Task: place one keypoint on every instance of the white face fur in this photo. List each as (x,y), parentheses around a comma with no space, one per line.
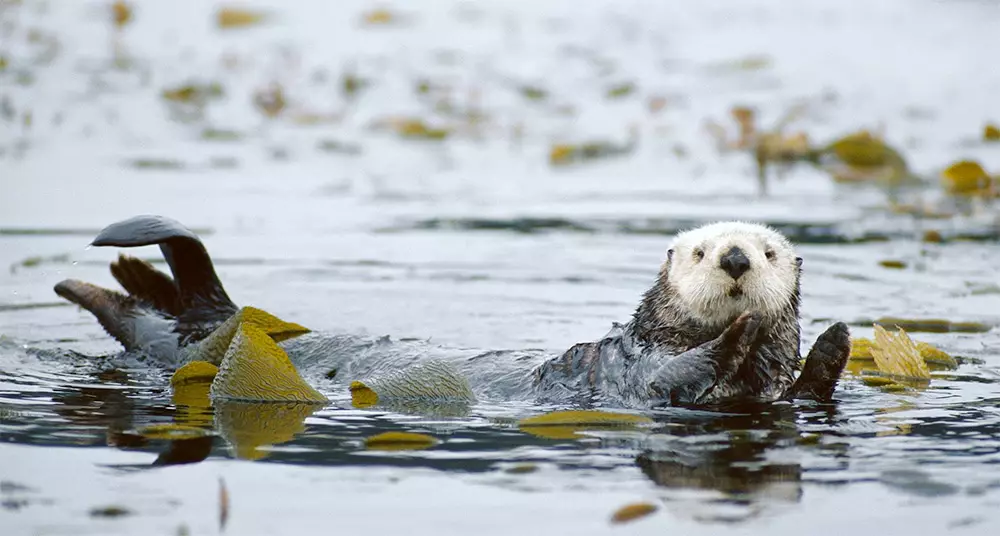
(711,293)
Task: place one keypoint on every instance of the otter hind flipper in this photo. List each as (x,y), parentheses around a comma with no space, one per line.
(141,280)
(201,299)
(824,365)
(111,308)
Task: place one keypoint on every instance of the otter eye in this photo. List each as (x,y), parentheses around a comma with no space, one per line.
(699,254)
(769,254)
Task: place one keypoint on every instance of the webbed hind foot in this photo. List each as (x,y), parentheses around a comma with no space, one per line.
(690,376)
(824,365)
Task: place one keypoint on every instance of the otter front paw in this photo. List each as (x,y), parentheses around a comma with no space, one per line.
(687,378)
(824,365)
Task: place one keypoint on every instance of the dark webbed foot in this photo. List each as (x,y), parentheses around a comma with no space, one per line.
(688,377)
(824,364)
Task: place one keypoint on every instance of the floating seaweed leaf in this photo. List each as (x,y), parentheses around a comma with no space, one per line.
(233,17)
(219,134)
(898,355)
(991,133)
(193,92)
(255,368)
(631,512)
(379,17)
(194,372)
(567,424)
(121,13)
(934,325)
(969,178)
(619,91)
(110,511)
(400,441)
(533,93)
(270,100)
(418,129)
(935,358)
(891,263)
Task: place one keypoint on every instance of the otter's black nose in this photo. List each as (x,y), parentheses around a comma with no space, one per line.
(734,262)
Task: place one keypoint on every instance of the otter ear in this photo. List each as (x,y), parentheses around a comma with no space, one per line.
(670,254)
(798,262)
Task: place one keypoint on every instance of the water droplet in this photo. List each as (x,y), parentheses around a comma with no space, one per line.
(87,248)
(74,262)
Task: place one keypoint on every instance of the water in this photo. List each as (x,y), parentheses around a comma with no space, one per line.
(477,243)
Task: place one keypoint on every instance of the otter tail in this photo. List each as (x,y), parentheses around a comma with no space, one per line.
(824,365)
(194,297)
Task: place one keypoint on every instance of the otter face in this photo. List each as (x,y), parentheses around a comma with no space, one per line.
(723,269)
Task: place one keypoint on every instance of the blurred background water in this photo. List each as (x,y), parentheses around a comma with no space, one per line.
(502,175)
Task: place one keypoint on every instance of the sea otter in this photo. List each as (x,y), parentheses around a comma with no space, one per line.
(720,323)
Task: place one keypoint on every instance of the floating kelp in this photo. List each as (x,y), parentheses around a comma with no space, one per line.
(935,358)
(38,260)
(567,424)
(412,128)
(121,13)
(270,100)
(620,91)
(110,511)
(400,441)
(933,325)
(164,164)
(255,368)
(194,372)
(565,154)
(220,134)
(193,93)
(898,358)
(892,263)
(379,17)
(968,178)
(631,512)
(991,133)
(227,18)
(863,157)
(533,93)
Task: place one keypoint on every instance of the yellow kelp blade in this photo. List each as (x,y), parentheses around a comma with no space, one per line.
(193,373)
(215,345)
(936,359)
(256,369)
(250,426)
(566,424)
(966,177)
(400,441)
(898,356)
(431,381)
(274,327)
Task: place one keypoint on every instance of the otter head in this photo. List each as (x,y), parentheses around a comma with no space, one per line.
(721,270)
